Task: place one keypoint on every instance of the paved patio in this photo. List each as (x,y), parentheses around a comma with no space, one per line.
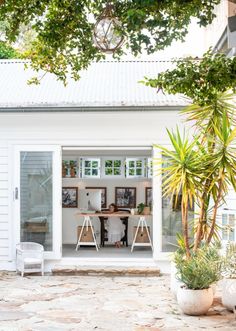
(57,303)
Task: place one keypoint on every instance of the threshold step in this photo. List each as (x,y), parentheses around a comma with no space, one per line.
(104,271)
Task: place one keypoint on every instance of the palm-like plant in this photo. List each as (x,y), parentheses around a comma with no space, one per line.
(223,166)
(213,123)
(201,170)
(181,175)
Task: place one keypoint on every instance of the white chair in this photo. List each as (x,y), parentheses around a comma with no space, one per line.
(29,258)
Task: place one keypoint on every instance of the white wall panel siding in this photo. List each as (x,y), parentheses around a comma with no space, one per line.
(3,153)
(4,199)
(3,226)
(4,180)
(113,128)
(3,168)
(4,203)
(4,251)
(3,218)
(4,235)
(3,192)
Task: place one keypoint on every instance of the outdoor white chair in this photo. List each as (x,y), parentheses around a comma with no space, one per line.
(29,258)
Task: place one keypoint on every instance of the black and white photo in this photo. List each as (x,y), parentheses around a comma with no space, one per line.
(125,197)
(148,196)
(69,197)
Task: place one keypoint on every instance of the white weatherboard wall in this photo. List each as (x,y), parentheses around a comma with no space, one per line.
(124,128)
(4,203)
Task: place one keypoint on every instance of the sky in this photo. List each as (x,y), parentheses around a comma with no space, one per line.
(194,45)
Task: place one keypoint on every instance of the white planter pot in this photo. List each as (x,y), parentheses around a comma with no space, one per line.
(174,282)
(229,293)
(195,302)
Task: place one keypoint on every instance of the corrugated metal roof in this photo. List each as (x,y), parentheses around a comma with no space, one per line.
(104,84)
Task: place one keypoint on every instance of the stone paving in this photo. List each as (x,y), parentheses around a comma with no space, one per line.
(84,303)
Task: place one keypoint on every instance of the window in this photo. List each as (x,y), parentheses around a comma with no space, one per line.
(228,227)
(90,167)
(149,167)
(135,167)
(113,167)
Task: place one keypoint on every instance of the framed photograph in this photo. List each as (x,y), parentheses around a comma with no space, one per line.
(148,196)
(125,197)
(69,197)
(104,194)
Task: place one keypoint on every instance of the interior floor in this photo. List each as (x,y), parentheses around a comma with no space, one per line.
(107,252)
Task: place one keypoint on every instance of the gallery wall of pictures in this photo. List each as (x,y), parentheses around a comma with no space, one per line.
(124,197)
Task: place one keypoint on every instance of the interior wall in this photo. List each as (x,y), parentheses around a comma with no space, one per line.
(69,219)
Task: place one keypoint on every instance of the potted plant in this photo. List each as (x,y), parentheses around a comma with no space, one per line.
(229,273)
(197,274)
(143,209)
(72,168)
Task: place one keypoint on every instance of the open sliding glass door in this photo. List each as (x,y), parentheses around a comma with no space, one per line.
(37,197)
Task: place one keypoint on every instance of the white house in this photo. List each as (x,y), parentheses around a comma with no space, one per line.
(102,129)
(221,34)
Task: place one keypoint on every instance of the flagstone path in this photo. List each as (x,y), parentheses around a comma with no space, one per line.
(84,303)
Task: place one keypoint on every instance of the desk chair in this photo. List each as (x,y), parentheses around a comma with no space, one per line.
(124,220)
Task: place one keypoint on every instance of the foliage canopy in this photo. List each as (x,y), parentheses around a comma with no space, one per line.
(199,79)
(65,28)
(7,52)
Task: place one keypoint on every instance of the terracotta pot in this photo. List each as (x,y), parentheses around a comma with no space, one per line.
(194,302)
(72,172)
(146,211)
(63,171)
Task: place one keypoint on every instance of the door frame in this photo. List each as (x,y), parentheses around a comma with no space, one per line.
(56,196)
(156,195)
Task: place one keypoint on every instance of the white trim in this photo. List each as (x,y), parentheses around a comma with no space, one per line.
(157,207)
(135,160)
(105,148)
(158,255)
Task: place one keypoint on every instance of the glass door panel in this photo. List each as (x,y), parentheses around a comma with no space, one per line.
(36,201)
(37,197)
(172,221)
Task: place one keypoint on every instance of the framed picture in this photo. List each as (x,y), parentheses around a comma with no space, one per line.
(125,197)
(104,194)
(69,197)
(148,196)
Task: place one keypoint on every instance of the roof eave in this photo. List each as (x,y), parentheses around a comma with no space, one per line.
(48,109)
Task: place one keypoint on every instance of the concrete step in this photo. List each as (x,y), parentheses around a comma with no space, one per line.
(73,270)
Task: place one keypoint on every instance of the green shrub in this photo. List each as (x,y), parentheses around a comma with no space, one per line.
(7,52)
(201,270)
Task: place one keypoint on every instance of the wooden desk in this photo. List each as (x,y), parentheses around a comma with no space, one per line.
(106,214)
(141,224)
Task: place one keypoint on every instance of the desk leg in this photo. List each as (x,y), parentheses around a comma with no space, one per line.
(141,224)
(86,223)
(102,230)
(135,236)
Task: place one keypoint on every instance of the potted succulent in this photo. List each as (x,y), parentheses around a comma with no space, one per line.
(197,273)
(229,273)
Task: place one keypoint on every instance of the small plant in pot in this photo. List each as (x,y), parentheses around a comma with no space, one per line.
(197,274)
(229,273)
(143,209)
